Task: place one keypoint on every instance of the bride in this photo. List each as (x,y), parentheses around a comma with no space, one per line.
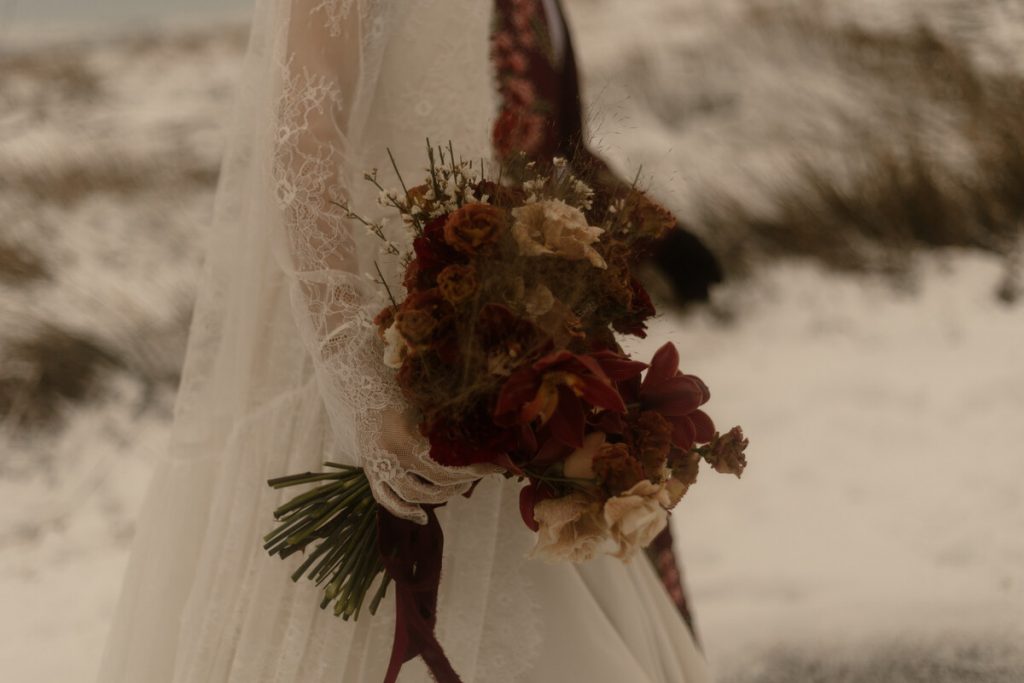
(283,372)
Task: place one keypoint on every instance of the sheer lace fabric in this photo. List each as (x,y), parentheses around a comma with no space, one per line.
(284,371)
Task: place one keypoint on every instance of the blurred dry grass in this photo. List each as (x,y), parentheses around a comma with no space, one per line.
(70,182)
(64,71)
(19,265)
(44,372)
(895,191)
(109,191)
(943,662)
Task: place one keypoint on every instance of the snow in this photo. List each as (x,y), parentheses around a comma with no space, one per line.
(883,499)
(877,531)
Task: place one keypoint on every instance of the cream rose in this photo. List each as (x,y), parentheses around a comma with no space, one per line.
(554,228)
(636,517)
(571,528)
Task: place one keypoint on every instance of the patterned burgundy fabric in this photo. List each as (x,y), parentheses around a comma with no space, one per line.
(541,116)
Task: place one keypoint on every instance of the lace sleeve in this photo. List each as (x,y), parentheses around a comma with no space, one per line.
(331,59)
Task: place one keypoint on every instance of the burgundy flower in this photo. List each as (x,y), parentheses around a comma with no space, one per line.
(432,255)
(677,397)
(472,440)
(560,389)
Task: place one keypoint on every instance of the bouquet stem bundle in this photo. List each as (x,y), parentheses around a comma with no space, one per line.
(339,518)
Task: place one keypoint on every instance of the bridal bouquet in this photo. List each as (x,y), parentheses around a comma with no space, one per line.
(504,343)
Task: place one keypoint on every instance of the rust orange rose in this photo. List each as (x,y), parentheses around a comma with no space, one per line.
(422,316)
(473,227)
(457,282)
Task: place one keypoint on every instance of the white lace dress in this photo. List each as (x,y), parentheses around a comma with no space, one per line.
(284,371)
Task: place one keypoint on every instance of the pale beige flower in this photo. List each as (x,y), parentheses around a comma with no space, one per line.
(636,517)
(396,348)
(554,228)
(571,528)
(580,464)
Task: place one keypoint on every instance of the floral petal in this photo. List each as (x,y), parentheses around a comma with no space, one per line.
(664,365)
(618,367)
(703,387)
(684,434)
(593,367)
(568,421)
(600,394)
(552,359)
(676,396)
(543,405)
(520,387)
(705,428)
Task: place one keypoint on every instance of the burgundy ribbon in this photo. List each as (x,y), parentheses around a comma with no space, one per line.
(412,558)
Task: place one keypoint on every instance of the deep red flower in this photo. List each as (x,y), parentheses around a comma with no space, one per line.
(560,389)
(677,397)
(432,255)
(471,440)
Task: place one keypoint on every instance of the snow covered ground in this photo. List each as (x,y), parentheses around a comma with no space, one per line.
(877,534)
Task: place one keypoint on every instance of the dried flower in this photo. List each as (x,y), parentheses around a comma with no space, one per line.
(570,528)
(652,434)
(557,390)
(552,227)
(474,226)
(726,452)
(471,440)
(636,517)
(616,468)
(677,397)
(457,283)
(422,316)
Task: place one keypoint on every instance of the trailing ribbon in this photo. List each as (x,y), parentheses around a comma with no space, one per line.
(412,558)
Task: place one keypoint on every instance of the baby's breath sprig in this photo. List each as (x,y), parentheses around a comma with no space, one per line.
(384,283)
(372,227)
